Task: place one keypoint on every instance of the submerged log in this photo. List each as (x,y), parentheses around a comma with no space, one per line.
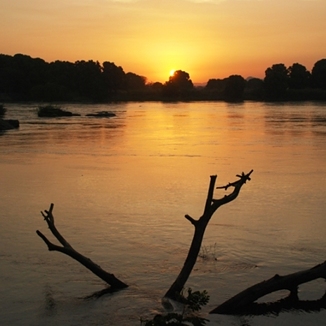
(290,303)
(243,302)
(67,249)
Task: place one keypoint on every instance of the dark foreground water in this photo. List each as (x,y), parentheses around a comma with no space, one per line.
(121,187)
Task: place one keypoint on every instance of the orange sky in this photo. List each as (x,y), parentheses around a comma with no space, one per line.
(206,38)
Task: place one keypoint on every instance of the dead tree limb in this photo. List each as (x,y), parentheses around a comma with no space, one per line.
(67,249)
(200,226)
(243,301)
(289,303)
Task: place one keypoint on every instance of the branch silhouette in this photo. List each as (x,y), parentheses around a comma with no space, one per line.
(67,249)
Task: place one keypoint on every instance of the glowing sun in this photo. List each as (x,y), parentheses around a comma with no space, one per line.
(172,72)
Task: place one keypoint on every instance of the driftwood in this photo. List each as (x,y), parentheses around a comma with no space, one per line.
(67,249)
(289,303)
(200,226)
(244,302)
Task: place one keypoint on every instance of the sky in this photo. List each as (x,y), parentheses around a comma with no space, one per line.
(206,38)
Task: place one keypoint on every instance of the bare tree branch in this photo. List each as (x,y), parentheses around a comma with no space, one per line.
(50,245)
(200,225)
(49,218)
(189,218)
(237,187)
(68,250)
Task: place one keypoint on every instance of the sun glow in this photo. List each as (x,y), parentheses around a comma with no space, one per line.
(172,72)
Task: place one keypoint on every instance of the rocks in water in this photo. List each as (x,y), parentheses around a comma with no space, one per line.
(101,114)
(8,124)
(50,111)
(2,110)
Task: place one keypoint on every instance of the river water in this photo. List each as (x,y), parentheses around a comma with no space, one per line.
(121,187)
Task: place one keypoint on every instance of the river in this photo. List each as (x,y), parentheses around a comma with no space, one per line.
(121,187)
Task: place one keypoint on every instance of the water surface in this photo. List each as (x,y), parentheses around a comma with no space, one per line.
(121,187)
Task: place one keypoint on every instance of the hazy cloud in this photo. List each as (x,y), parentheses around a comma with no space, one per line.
(216,1)
(220,1)
(124,1)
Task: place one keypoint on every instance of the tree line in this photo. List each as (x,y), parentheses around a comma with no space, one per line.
(23,78)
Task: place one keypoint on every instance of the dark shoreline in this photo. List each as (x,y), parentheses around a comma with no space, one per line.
(27,79)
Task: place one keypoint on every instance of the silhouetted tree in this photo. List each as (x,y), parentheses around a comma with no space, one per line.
(61,83)
(254,89)
(156,87)
(6,76)
(181,80)
(276,82)
(214,89)
(114,77)
(154,91)
(178,84)
(18,74)
(299,76)
(135,82)
(89,80)
(318,74)
(234,88)
(216,84)
(28,74)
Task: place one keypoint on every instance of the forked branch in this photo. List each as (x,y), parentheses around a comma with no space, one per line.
(49,218)
(68,250)
(211,205)
(234,194)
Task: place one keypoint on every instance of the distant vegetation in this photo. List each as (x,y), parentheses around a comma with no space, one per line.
(23,78)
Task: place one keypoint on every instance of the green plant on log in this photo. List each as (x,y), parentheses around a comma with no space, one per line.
(192,304)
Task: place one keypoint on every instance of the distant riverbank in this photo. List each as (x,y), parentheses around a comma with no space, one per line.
(26,79)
